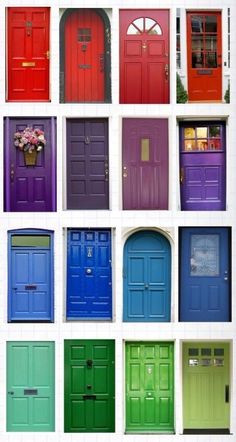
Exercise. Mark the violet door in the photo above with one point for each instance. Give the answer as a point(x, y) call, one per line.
point(87, 164)
point(145, 164)
point(203, 166)
point(30, 188)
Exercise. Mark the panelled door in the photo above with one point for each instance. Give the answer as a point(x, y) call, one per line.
point(145, 163)
point(30, 386)
point(204, 53)
point(84, 56)
point(30, 296)
point(206, 387)
point(205, 274)
point(203, 166)
point(89, 386)
point(30, 188)
point(144, 56)
point(149, 387)
point(146, 276)
point(87, 164)
point(89, 290)
point(28, 54)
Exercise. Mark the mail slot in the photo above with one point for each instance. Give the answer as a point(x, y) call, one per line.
point(85, 66)
point(30, 392)
point(89, 396)
point(26, 64)
point(30, 287)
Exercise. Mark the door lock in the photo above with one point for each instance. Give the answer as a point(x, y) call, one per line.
point(89, 363)
point(181, 175)
point(125, 174)
point(12, 174)
point(167, 71)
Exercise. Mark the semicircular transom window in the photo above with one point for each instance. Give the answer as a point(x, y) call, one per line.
point(144, 25)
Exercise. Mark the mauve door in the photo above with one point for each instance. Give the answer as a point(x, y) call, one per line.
point(145, 164)
point(30, 188)
point(87, 164)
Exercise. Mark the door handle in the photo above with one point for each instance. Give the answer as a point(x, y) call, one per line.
point(181, 175)
point(11, 392)
point(227, 394)
point(12, 174)
point(125, 174)
point(167, 71)
point(101, 59)
point(47, 54)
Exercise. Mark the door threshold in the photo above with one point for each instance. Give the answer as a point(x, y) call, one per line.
point(207, 101)
point(149, 432)
point(207, 431)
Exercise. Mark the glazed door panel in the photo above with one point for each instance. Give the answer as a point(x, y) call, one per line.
point(30, 188)
point(204, 53)
point(84, 56)
point(145, 164)
point(144, 56)
point(205, 274)
point(89, 290)
point(30, 386)
point(89, 386)
point(28, 54)
point(87, 164)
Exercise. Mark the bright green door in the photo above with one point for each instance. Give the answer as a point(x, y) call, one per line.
point(206, 386)
point(30, 386)
point(89, 386)
point(149, 387)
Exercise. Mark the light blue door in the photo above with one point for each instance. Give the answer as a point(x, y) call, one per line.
point(147, 277)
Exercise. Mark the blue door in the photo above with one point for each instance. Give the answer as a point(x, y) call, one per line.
point(205, 274)
point(89, 291)
point(30, 279)
point(147, 268)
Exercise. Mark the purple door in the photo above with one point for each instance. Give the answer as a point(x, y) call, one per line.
point(202, 166)
point(30, 188)
point(87, 164)
point(145, 163)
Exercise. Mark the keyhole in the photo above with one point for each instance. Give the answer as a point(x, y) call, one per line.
point(83, 47)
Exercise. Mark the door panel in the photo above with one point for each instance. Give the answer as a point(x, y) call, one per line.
point(147, 264)
point(89, 291)
point(144, 55)
point(205, 274)
point(30, 386)
point(145, 164)
point(87, 164)
point(204, 53)
point(89, 386)
point(28, 54)
point(149, 397)
point(30, 188)
point(205, 381)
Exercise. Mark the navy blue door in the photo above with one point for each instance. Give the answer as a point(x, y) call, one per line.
point(205, 274)
point(147, 269)
point(30, 276)
point(89, 291)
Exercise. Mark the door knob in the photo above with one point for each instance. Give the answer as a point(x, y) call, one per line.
point(146, 286)
point(181, 175)
point(125, 174)
point(226, 278)
point(12, 174)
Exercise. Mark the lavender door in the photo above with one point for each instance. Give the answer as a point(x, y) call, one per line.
point(87, 164)
point(145, 163)
point(30, 188)
point(202, 166)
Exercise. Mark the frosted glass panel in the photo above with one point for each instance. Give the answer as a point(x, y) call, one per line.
point(204, 259)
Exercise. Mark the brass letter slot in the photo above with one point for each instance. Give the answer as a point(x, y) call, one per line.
point(29, 64)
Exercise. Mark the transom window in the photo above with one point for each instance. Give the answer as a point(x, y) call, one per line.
point(144, 25)
point(208, 138)
point(204, 41)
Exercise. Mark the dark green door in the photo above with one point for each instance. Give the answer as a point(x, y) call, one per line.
point(149, 387)
point(30, 386)
point(206, 386)
point(89, 386)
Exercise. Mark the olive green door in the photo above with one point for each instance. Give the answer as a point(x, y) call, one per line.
point(206, 386)
point(149, 387)
point(89, 386)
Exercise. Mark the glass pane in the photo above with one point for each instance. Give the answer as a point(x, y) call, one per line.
point(211, 23)
point(197, 23)
point(205, 362)
point(214, 131)
point(189, 145)
point(178, 60)
point(30, 241)
point(193, 351)
point(139, 22)
point(197, 43)
point(219, 352)
point(202, 144)
point(193, 362)
point(206, 351)
point(211, 60)
point(156, 30)
point(204, 259)
point(178, 25)
point(132, 30)
point(178, 42)
point(189, 132)
point(218, 362)
point(201, 132)
point(145, 144)
point(211, 42)
point(197, 60)
point(149, 23)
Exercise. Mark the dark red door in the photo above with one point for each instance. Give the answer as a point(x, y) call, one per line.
point(145, 163)
point(204, 49)
point(144, 56)
point(28, 54)
point(84, 56)
point(87, 164)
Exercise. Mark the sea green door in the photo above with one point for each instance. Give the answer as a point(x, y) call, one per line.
point(206, 386)
point(30, 386)
point(149, 387)
point(89, 386)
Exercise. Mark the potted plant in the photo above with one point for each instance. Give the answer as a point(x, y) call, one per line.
point(30, 141)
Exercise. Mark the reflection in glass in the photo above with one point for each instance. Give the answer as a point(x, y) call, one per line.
point(193, 351)
point(193, 362)
point(204, 259)
point(202, 144)
point(156, 30)
point(197, 60)
point(201, 132)
point(211, 23)
point(219, 352)
point(197, 43)
point(211, 60)
point(197, 23)
point(210, 42)
point(206, 351)
point(189, 145)
point(189, 132)
point(205, 362)
point(214, 131)
point(219, 362)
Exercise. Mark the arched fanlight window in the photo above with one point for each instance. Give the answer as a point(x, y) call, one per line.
point(144, 25)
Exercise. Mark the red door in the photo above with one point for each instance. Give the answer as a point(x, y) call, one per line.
point(144, 56)
point(204, 49)
point(28, 54)
point(84, 56)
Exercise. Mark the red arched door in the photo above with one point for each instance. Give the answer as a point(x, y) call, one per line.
point(84, 56)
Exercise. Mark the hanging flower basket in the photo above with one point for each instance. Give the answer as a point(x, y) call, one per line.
point(30, 141)
point(30, 158)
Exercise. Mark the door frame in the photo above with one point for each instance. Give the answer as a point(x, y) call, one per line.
point(107, 51)
point(33, 232)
